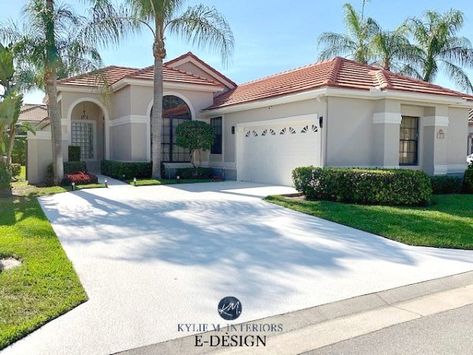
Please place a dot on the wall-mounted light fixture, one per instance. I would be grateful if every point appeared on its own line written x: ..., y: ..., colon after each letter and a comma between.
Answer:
x: 321, y: 121
x: 84, y: 115
x: 233, y: 129
x: 440, y: 134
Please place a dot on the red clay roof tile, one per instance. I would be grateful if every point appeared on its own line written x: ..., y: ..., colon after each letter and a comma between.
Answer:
x: 338, y: 72
x: 114, y: 74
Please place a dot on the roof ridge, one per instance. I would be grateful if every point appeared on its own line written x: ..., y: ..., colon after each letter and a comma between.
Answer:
x: 151, y: 67
x: 287, y: 71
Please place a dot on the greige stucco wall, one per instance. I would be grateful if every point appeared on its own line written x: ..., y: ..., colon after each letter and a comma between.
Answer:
x: 458, y: 125
x: 349, y: 129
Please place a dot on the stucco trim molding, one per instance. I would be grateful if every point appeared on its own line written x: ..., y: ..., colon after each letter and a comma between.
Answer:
x: 129, y: 120
x: 387, y: 117
x: 437, y: 121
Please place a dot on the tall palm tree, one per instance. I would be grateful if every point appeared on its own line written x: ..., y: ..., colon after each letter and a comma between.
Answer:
x: 200, y: 25
x: 55, y: 42
x: 392, y: 49
x: 436, y: 35
x: 355, y: 43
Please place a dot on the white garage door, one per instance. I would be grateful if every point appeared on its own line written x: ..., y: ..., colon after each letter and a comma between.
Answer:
x: 268, y: 151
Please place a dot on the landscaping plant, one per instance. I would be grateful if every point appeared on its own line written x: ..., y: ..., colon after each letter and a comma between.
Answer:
x: 364, y: 186
x: 196, y: 136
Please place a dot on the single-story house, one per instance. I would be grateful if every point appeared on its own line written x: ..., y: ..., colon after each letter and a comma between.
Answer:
x: 336, y: 113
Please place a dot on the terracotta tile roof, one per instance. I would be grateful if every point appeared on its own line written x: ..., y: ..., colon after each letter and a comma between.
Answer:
x: 172, y: 75
x: 113, y: 74
x: 193, y: 56
x: 337, y: 72
x: 33, y: 113
x: 110, y: 74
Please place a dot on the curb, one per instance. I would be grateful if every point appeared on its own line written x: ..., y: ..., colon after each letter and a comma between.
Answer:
x: 311, y: 316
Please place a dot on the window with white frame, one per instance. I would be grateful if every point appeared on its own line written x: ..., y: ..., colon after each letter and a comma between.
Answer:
x: 83, y: 136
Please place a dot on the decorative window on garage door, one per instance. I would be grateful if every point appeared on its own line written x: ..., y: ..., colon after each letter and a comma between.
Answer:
x: 282, y: 131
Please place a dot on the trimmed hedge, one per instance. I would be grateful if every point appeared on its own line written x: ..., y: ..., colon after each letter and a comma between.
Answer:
x: 364, y: 186
x: 126, y: 170
x: 468, y: 180
x: 191, y: 173
x: 69, y: 168
x: 446, y: 184
x: 73, y: 153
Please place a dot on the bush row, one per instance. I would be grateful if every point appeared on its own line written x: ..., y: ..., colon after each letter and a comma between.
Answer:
x: 126, y: 170
x: 364, y: 186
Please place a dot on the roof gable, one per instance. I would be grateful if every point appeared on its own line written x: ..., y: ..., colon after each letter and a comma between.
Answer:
x: 194, y: 64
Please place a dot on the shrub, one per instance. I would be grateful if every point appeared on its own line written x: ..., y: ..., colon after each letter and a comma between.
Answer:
x: 446, y: 184
x: 468, y: 180
x: 19, y: 151
x: 126, y: 170
x: 364, y: 186
x: 5, y: 179
x: 69, y: 167
x: 80, y: 178
x: 15, y: 169
x: 194, y: 136
x: 73, y: 153
x: 198, y: 173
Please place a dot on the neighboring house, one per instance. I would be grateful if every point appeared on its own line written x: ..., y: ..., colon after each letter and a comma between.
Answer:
x: 470, y: 133
x: 33, y: 114
x: 334, y: 113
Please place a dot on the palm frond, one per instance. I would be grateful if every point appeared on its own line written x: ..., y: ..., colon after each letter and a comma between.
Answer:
x: 458, y: 75
x: 205, y: 27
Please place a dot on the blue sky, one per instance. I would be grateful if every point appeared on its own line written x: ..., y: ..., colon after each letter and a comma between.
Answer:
x: 270, y: 35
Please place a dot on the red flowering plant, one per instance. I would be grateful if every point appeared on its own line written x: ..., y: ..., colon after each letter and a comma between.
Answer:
x: 80, y: 178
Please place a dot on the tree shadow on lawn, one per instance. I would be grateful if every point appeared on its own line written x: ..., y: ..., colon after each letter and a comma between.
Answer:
x: 240, y: 237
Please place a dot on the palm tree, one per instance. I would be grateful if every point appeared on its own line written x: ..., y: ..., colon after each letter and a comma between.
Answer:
x: 55, y: 42
x: 442, y: 49
x: 10, y: 104
x: 354, y: 44
x: 200, y: 25
x: 392, y: 49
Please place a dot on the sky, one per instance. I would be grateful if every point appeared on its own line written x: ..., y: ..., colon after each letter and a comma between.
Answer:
x: 270, y: 35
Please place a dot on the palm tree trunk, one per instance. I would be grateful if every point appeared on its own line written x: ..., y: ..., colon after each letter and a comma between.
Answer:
x: 56, y: 129
x: 157, y: 114
x: 50, y: 81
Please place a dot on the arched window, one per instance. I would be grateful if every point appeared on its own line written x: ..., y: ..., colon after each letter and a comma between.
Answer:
x: 175, y: 111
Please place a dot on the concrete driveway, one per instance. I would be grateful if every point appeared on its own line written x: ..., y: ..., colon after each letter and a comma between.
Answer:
x: 152, y: 257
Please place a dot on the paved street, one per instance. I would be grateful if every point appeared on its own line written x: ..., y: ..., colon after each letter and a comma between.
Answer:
x: 449, y: 332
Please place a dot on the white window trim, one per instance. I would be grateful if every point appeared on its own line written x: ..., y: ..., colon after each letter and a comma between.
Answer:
x: 94, y: 134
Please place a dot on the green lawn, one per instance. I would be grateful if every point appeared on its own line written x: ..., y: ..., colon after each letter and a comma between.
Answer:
x: 45, y: 285
x: 447, y: 223
x: 151, y: 182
